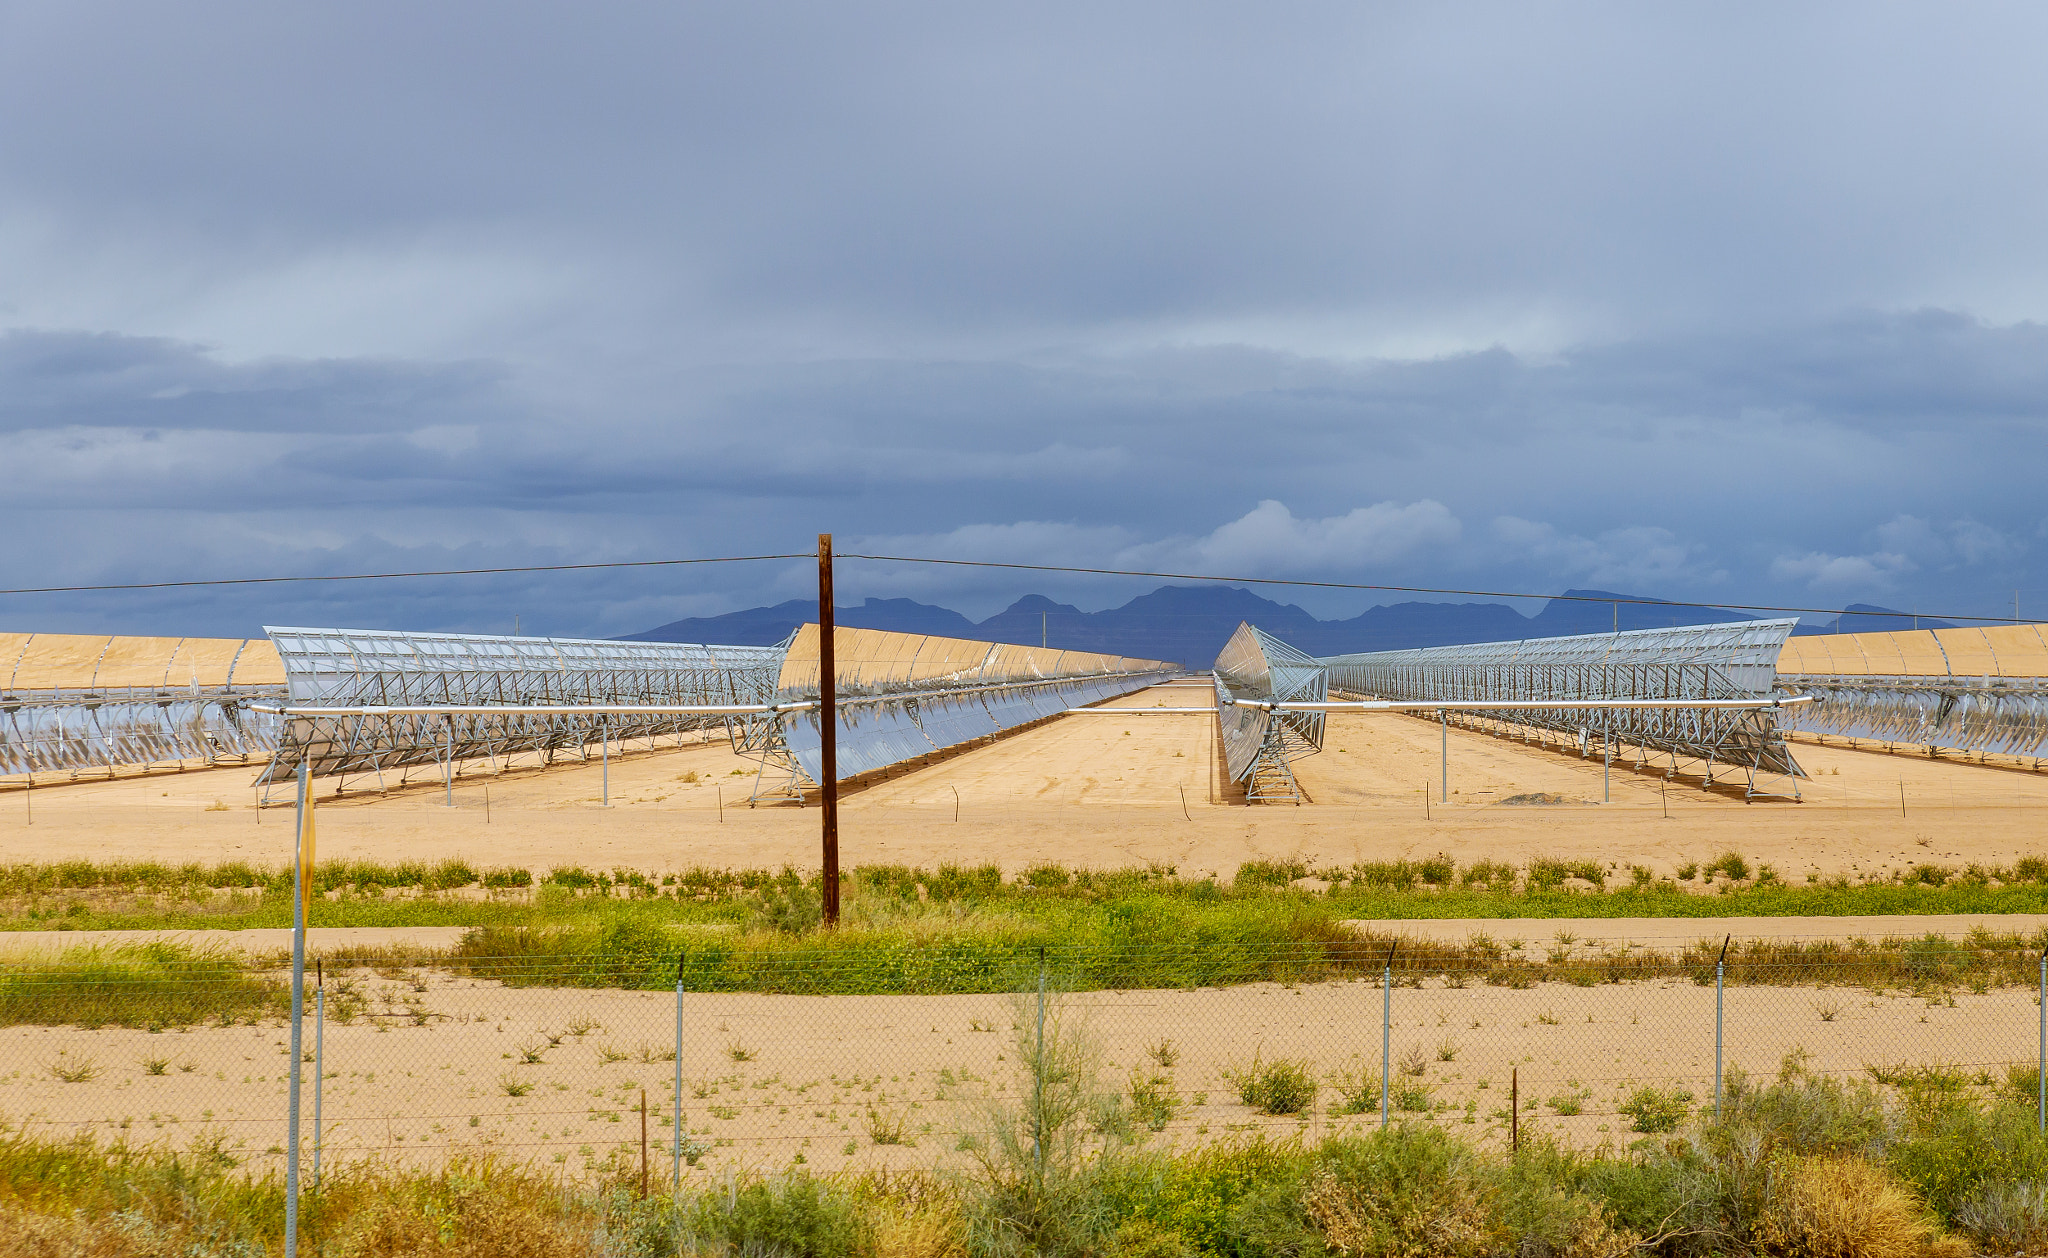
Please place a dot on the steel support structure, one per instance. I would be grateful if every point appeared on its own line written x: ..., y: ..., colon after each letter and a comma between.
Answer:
x: 1724, y: 661
x: 1260, y: 745
x: 360, y: 668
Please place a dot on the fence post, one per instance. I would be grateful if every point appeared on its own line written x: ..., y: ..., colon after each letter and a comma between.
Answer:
x: 319, y: 1063
x: 1038, y: 1078
x: 1386, y: 1029
x: 291, y: 1135
x: 2041, y: 1061
x: 1720, y: 974
x: 678, y: 1078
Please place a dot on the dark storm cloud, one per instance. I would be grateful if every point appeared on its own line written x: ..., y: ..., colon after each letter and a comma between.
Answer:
x: 1719, y: 302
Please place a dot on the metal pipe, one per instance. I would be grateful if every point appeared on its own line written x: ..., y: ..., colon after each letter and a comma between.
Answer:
x: 1522, y: 705
x: 678, y: 1078
x: 319, y: 1069
x: 1720, y: 975
x: 1443, y: 722
x: 2041, y: 1062
x: 677, y: 1104
x: 1387, y: 1028
x: 291, y: 1138
x: 526, y: 709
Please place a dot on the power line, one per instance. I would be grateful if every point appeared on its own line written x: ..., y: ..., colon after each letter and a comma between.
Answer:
x: 391, y: 576
x: 983, y: 563
x: 1420, y: 589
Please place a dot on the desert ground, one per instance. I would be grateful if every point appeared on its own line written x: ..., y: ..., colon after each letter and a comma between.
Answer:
x: 1093, y: 790
x: 431, y: 1066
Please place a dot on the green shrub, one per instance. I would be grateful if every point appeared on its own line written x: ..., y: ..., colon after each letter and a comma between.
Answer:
x: 1550, y: 872
x: 1491, y: 874
x: 1269, y: 873
x: 1731, y: 864
x: 1358, y: 1090
x: 1047, y: 876
x: 1656, y: 1110
x: 794, y: 1215
x: 1275, y: 1087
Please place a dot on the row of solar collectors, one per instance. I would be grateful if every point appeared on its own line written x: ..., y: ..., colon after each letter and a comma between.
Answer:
x: 75, y: 737
x: 877, y: 732
x: 1969, y: 714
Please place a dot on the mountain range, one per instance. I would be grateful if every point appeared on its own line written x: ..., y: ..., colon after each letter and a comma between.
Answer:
x: 1190, y: 623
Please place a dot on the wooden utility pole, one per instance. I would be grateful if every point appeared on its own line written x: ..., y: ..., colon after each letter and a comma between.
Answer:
x: 828, y: 729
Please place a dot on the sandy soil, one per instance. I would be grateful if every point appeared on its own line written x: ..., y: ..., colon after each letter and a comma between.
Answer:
x: 1091, y: 790
x: 429, y: 1067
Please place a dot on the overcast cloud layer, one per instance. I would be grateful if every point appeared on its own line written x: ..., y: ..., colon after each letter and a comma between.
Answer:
x: 1712, y: 302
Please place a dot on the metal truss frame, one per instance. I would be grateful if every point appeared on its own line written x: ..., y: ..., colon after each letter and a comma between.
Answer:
x: 1723, y: 661
x: 2006, y: 715
x: 353, y: 668
x: 1259, y: 744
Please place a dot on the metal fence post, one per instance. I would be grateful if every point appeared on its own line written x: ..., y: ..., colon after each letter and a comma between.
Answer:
x: 1038, y: 1077
x: 678, y: 1103
x: 319, y: 1066
x: 1720, y: 975
x: 291, y: 1136
x: 2041, y: 1061
x: 1386, y: 1029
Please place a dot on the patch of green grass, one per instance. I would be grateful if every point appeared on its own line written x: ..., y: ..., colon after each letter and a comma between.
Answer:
x: 136, y: 985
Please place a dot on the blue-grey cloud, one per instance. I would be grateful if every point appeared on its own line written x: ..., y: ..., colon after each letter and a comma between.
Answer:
x: 1716, y: 302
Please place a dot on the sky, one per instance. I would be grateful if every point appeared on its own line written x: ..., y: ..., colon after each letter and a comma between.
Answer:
x: 1727, y: 302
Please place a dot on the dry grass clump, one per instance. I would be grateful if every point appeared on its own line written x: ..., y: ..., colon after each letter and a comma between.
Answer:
x: 481, y: 1210
x: 1846, y: 1207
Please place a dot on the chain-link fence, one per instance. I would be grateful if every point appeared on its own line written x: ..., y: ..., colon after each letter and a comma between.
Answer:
x: 838, y: 1063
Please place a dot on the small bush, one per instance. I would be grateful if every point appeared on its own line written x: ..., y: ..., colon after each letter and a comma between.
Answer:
x: 1490, y: 874
x: 885, y: 1127
x: 1275, y: 1087
x: 1413, y: 1098
x: 1047, y: 876
x: 1550, y: 873
x: 1153, y: 1100
x: 1358, y: 1091
x: 2008, y: 1216
x: 1833, y: 1207
x: 794, y: 1215
x: 1731, y: 864
x: 1269, y: 873
x: 507, y: 877
x: 1655, y: 1111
